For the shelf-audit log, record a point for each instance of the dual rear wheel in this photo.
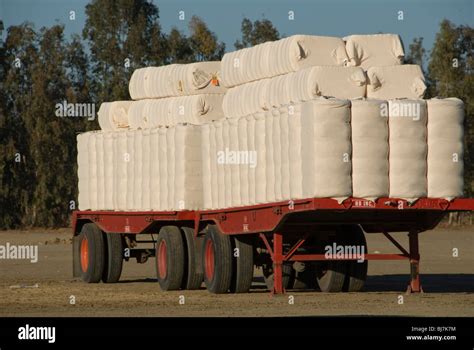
(100, 255)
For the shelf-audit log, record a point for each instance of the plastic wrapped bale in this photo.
(326, 149)
(374, 50)
(206, 166)
(445, 148)
(406, 81)
(280, 57)
(154, 174)
(408, 149)
(83, 170)
(188, 191)
(370, 149)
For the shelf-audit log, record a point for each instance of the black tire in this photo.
(331, 274)
(305, 278)
(217, 261)
(169, 258)
(113, 257)
(193, 273)
(91, 253)
(356, 271)
(242, 265)
(268, 275)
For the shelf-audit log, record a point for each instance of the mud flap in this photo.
(76, 265)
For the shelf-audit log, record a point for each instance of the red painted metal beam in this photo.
(322, 257)
(415, 284)
(278, 264)
(258, 218)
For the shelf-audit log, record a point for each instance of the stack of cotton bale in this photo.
(148, 154)
(287, 129)
(302, 117)
(402, 146)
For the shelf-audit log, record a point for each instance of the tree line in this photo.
(41, 68)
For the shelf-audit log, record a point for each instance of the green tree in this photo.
(256, 33)
(417, 53)
(203, 41)
(451, 70)
(179, 48)
(17, 171)
(122, 35)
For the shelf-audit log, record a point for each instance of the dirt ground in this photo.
(46, 288)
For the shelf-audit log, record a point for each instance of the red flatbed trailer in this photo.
(271, 235)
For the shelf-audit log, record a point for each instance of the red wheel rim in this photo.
(84, 254)
(162, 262)
(209, 260)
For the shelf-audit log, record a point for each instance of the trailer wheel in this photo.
(304, 276)
(169, 258)
(113, 257)
(331, 274)
(217, 261)
(242, 264)
(193, 274)
(268, 276)
(91, 253)
(356, 271)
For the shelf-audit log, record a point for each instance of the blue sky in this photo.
(319, 17)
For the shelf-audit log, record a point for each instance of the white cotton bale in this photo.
(136, 114)
(99, 146)
(147, 159)
(137, 84)
(370, 149)
(220, 163)
(280, 57)
(226, 164)
(171, 160)
(121, 161)
(251, 139)
(104, 116)
(269, 158)
(165, 182)
(206, 166)
(129, 158)
(197, 78)
(408, 149)
(109, 193)
(245, 163)
(338, 82)
(260, 180)
(326, 149)
(155, 170)
(137, 136)
(277, 153)
(114, 115)
(234, 162)
(213, 175)
(445, 148)
(392, 82)
(374, 50)
(188, 168)
(93, 171)
(83, 170)
(285, 148)
(294, 148)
